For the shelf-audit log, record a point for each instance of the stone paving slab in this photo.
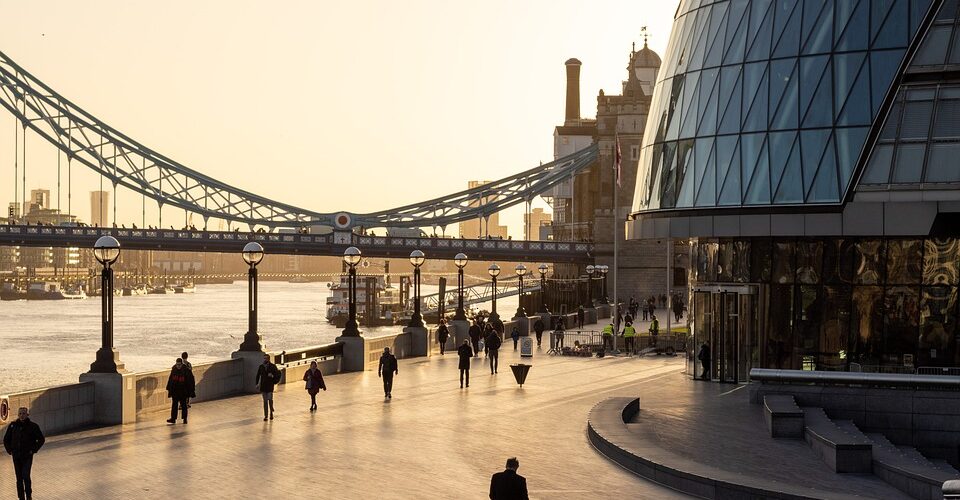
(431, 440)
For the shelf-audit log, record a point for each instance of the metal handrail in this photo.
(317, 351)
(851, 378)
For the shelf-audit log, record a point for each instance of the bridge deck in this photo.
(433, 439)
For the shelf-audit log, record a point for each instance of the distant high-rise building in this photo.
(39, 199)
(13, 212)
(537, 224)
(99, 208)
(491, 225)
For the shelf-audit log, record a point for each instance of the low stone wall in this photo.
(214, 380)
(55, 409)
(400, 344)
(293, 372)
(928, 420)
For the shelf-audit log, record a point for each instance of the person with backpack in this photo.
(314, 383)
(268, 376)
(492, 344)
(180, 388)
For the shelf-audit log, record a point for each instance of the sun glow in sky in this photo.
(356, 106)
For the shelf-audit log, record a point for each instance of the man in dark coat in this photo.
(443, 333)
(387, 368)
(475, 332)
(580, 316)
(492, 343)
(508, 485)
(538, 329)
(267, 377)
(180, 388)
(23, 440)
(465, 353)
(704, 357)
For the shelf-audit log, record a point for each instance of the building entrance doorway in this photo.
(725, 319)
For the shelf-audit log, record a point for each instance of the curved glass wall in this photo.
(768, 102)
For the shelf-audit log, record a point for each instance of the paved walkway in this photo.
(431, 440)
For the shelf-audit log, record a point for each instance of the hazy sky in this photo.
(295, 100)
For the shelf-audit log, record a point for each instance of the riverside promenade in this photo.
(432, 439)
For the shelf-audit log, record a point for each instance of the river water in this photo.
(46, 343)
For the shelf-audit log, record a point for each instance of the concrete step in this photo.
(944, 466)
(841, 450)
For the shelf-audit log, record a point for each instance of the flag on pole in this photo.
(617, 157)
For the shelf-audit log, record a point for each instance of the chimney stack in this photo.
(573, 91)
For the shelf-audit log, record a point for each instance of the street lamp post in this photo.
(542, 268)
(521, 270)
(590, 270)
(106, 250)
(494, 271)
(252, 254)
(460, 260)
(604, 269)
(416, 258)
(351, 256)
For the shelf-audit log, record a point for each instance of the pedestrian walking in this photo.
(645, 309)
(508, 485)
(314, 383)
(475, 332)
(465, 353)
(180, 388)
(558, 336)
(580, 316)
(443, 333)
(23, 439)
(515, 335)
(538, 330)
(630, 338)
(490, 329)
(704, 357)
(387, 368)
(492, 344)
(268, 376)
(184, 356)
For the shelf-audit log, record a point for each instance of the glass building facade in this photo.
(809, 151)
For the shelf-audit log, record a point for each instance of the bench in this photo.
(841, 451)
(783, 417)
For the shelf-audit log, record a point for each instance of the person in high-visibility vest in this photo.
(608, 336)
(654, 331)
(629, 336)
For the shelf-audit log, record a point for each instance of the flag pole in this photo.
(616, 243)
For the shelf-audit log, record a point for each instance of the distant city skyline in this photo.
(284, 102)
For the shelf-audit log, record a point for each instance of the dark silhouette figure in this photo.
(465, 353)
(23, 440)
(475, 333)
(387, 369)
(558, 336)
(180, 388)
(492, 344)
(515, 335)
(443, 333)
(538, 330)
(314, 382)
(580, 316)
(704, 357)
(268, 376)
(508, 485)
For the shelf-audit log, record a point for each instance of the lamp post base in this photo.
(108, 361)
(352, 330)
(252, 342)
(416, 321)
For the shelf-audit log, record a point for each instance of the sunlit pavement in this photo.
(432, 439)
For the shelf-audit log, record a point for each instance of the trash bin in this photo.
(520, 371)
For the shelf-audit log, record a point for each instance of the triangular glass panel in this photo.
(918, 9)
(787, 110)
(676, 106)
(846, 69)
(737, 26)
(704, 149)
(731, 90)
(708, 103)
(715, 45)
(811, 71)
(884, 65)
(755, 104)
(758, 192)
(818, 26)
(786, 37)
(849, 142)
(812, 144)
(707, 195)
(894, 30)
(824, 188)
(855, 35)
(856, 111)
(791, 189)
(691, 98)
(686, 174)
(700, 47)
(730, 193)
(780, 145)
(725, 148)
(761, 27)
(819, 111)
(668, 175)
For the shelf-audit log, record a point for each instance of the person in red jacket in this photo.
(314, 382)
(180, 387)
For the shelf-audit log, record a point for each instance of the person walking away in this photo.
(630, 338)
(180, 388)
(508, 485)
(654, 331)
(580, 315)
(704, 357)
(314, 382)
(538, 330)
(442, 335)
(490, 329)
(183, 356)
(608, 337)
(268, 376)
(646, 310)
(558, 334)
(475, 333)
(387, 368)
(465, 353)
(515, 335)
(492, 344)
(23, 439)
